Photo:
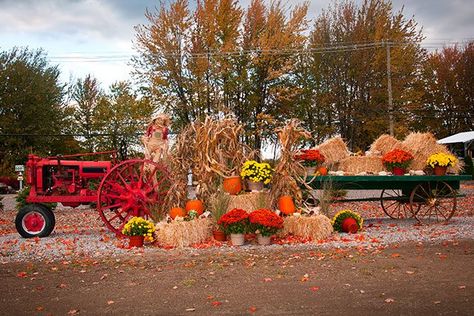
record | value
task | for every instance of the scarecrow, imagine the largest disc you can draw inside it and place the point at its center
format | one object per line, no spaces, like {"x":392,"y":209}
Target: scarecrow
{"x":155,"y":139}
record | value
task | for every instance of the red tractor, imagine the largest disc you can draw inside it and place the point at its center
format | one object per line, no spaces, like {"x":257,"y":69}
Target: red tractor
{"x":131,"y":188}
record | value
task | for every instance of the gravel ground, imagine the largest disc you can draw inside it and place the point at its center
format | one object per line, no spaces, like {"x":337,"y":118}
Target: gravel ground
{"x":80,"y":233}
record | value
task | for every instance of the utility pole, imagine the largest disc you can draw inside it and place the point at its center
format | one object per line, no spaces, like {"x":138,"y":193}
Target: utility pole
{"x":389,"y":90}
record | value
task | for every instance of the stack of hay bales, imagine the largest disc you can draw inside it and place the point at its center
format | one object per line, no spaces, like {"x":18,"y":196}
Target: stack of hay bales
{"x":181,"y":234}
{"x":334,"y":150}
{"x":359,"y":164}
{"x":423,"y":145}
{"x":249,"y":201}
{"x":385,"y":144}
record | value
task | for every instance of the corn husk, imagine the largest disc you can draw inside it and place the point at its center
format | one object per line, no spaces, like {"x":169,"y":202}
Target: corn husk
{"x":181,"y":234}
{"x":250,"y":201}
{"x":358,"y":164}
{"x":316,"y":227}
{"x":334,"y":150}
{"x":423,"y":145}
{"x":289,"y":173}
{"x":385,"y":144}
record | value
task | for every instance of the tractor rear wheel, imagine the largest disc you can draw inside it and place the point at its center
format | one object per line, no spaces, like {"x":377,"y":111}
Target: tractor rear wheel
{"x":35,"y":220}
{"x":132,"y":188}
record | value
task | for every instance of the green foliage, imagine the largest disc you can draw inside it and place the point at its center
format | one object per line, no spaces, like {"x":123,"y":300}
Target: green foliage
{"x":31,"y":102}
{"x":21,"y":200}
{"x":468,"y":166}
{"x":218,"y":204}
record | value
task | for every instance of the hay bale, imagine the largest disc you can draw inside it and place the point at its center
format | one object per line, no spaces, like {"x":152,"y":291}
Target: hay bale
{"x":334,"y":150}
{"x":423,"y":145}
{"x":315,"y":227}
{"x":249,"y":201}
{"x":385,"y":144}
{"x":358,"y":164}
{"x":181,"y":234}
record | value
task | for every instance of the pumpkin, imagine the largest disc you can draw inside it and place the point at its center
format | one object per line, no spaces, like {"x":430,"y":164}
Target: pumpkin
{"x":177,"y":211}
{"x":286,"y":205}
{"x":322,"y":171}
{"x":232,"y":185}
{"x":195,"y":205}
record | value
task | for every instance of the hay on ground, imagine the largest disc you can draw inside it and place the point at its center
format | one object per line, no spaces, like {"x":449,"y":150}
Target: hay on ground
{"x":358,"y":164}
{"x":181,"y":234}
{"x":385,"y":144}
{"x":334,"y":150}
{"x":250,"y":201}
{"x":316,"y":227}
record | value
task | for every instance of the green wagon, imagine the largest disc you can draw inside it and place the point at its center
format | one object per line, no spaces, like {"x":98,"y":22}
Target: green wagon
{"x":421,"y":197}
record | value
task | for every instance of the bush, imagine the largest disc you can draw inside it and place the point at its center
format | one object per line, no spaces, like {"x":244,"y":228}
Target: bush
{"x":468,"y":166}
{"x":21,"y":200}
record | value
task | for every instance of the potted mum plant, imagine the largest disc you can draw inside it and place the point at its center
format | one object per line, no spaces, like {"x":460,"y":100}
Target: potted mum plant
{"x":347,"y":221}
{"x":257,"y":174}
{"x":138,"y":228}
{"x":311,"y":159}
{"x":440,"y":163}
{"x":397,"y":161}
{"x":265,"y":223}
{"x":235,"y":222}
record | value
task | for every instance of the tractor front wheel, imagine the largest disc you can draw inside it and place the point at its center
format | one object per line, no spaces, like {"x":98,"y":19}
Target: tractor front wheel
{"x":35,"y":220}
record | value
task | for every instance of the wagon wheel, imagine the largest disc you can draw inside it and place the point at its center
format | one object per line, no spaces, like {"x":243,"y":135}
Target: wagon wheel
{"x":132,"y":188}
{"x":395,"y":204}
{"x":433,"y":201}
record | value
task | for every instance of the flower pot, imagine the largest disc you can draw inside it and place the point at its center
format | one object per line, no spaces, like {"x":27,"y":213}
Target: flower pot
{"x":232,"y":185}
{"x":397,"y":171}
{"x":440,"y":170}
{"x":237,"y":239}
{"x":136,"y":241}
{"x":286,"y":205}
{"x":254,"y":186}
{"x":349,"y":225}
{"x":219,"y":235}
{"x":263,"y":240}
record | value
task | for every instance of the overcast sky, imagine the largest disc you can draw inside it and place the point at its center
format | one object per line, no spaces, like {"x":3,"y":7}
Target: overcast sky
{"x":74,"y":31}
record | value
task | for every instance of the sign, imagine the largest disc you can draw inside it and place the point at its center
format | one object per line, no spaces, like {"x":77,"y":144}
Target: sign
{"x":19,"y":168}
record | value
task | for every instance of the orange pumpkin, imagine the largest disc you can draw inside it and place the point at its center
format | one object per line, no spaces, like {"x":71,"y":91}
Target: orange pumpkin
{"x":195,"y":205}
{"x":322,"y":171}
{"x":177,"y":211}
{"x":286,"y":205}
{"x":232,"y":185}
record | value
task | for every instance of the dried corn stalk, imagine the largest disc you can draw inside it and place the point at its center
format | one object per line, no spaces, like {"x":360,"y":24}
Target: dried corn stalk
{"x":289,"y":172}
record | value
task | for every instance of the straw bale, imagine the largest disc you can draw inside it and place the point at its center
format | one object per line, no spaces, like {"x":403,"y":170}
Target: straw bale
{"x":385,"y":144}
{"x":181,"y":234}
{"x":358,"y":164}
{"x":423,"y":145}
{"x":316,"y":227}
{"x":334,"y":150}
{"x":249,"y":201}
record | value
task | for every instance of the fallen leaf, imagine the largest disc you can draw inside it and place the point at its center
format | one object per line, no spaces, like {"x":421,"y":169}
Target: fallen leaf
{"x":410,"y":272}
{"x":61,"y":286}
{"x":216,"y":303}
{"x":314,"y":288}
{"x":190,"y":309}
{"x":395,"y":255}
{"x":252,"y":309}
{"x":73,"y":312}
{"x":437,"y":302}
{"x":22,"y":274}
{"x":461,"y":287}
{"x":104,"y":276}
{"x":39,"y":308}
{"x":389,"y":300}
{"x":267,"y":280}
{"x":110,"y":302}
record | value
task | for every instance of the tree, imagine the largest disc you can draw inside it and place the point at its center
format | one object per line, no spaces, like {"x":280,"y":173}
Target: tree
{"x":122,"y":116}
{"x":86,"y":94}
{"x":448,"y":91}
{"x":31,"y":103}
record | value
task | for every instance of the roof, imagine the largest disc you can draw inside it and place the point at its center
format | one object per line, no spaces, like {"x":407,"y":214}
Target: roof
{"x":458,"y":138}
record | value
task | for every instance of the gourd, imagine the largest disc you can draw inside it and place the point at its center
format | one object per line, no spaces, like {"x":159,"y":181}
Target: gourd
{"x":232,"y":185}
{"x":177,"y":211}
{"x":194,"y":205}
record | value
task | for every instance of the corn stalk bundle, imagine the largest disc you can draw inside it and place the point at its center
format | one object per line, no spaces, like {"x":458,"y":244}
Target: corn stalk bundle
{"x":218,"y":152}
{"x":180,"y":162}
{"x":289,"y":172}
